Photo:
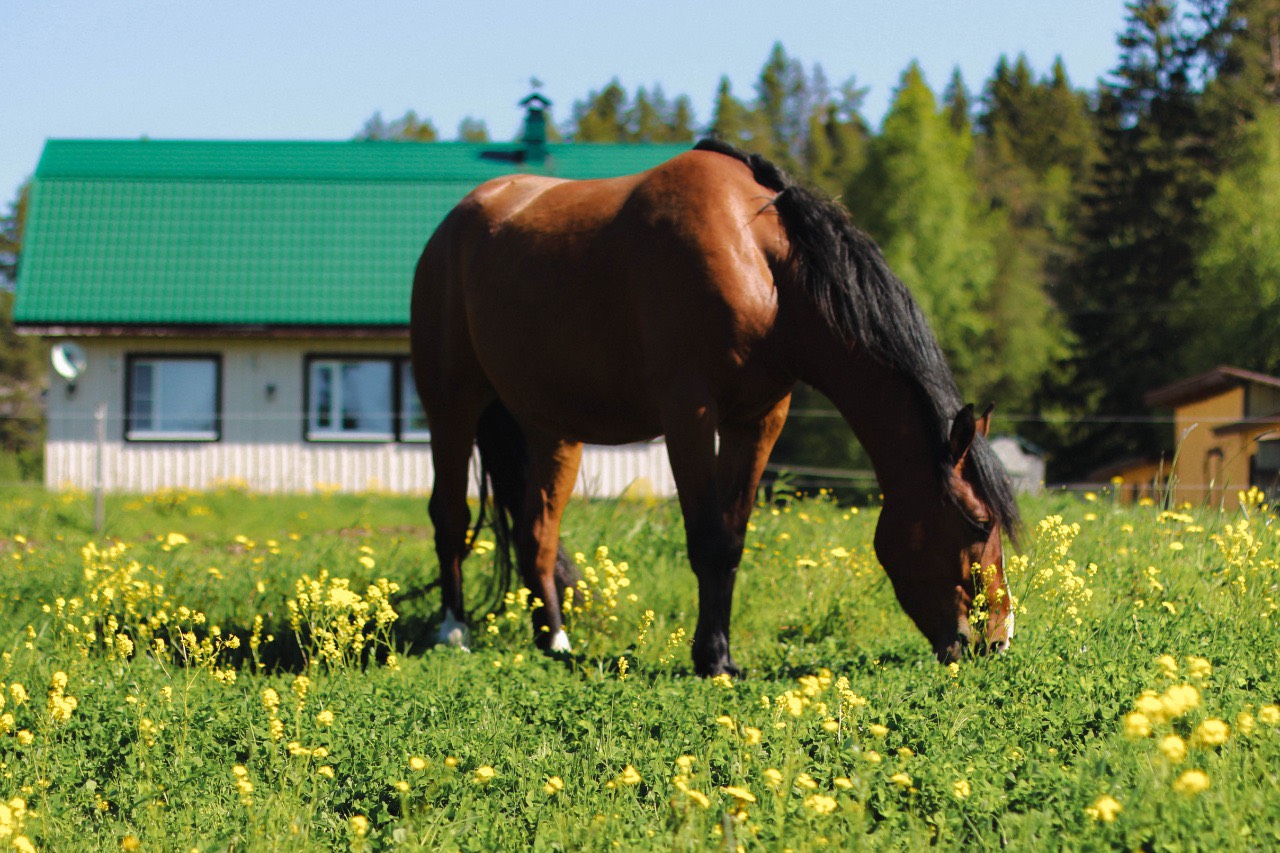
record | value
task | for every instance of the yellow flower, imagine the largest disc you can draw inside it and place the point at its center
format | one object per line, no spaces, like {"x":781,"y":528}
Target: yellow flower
{"x":360,"y":825}
{"x":1191,"y":783}
{"x":629,"y":776}
{"x":131,"y":842}
{"x":325,"y":770}
{"x":820,"y":804}
{"x":742,"y":795}
{"x":842,"y":782}
{"x":26,"y":738}
{"x":872,"y":756}
{"x":175,"y":539}
{"x":1244,"y":723}
{"x":725,"y":721}
{"x":1136,"y":726}
{"x":1104,"y":809}
{"x":751,"y":735}
{"x":1198,"y":667}
{"x":902,"y":780}
{"x":451,"y":762}
{"x":402,"y":786}
{"x":367,"y":561}
{"x":325,"y":718}
{"x":1180,"y":699}
{"x":1212,"y":732}
{"x":554,"y":786}
{"x":684,"y":762}
{"x":773,"y":777}
{"x":416,"y":763}
{"x":804,"y":780}
{"x":484,"y":775}
{"x":1174,"y":748}
{"x":878,"y":730}
{"x":1269,"y":714}
{"x":724,"y":680}
{"x":961,"y":789}
{"x":698,"y":797}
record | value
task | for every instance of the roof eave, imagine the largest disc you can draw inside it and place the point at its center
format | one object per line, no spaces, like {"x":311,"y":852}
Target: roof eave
{"x":222,"y":330}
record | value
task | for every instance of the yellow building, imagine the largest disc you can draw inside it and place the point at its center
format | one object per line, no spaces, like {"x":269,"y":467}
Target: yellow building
{"x":1227,"y":434}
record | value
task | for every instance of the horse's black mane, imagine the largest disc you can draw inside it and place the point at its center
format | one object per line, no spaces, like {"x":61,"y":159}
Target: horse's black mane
{"x":851,"y":285}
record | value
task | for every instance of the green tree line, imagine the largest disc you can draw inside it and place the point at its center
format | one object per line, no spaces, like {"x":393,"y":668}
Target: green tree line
{"x":1073,"y":246}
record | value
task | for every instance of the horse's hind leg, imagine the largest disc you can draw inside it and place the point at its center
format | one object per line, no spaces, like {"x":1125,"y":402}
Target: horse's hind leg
{"x":553,"y":468}
{"x":452,"y":435}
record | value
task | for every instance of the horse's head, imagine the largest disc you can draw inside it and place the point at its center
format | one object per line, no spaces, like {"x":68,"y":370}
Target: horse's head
{"x":946,"y":559}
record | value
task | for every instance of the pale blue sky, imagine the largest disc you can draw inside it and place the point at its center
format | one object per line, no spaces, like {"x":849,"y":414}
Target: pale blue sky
{"x":317,"y":69}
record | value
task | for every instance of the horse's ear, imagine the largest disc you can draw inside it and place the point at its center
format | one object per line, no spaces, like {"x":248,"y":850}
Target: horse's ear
{"x":983,"y":423}
{"x":963,"y":429}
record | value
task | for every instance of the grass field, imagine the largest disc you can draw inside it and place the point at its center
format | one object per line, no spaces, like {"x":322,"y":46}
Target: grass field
{"x":230,"y":671}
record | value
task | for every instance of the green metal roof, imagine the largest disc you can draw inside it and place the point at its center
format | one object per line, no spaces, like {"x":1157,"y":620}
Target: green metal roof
{"x":277,"y":233}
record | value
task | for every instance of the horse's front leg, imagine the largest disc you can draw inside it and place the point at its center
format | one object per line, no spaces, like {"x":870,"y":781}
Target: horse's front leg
{"x":716,"y":498}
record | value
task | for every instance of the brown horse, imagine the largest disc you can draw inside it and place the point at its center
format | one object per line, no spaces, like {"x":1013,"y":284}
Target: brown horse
{"x":686,"y":302}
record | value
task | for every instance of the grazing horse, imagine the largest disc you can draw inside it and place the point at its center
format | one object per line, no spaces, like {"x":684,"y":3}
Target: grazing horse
{"x":686,"y":301}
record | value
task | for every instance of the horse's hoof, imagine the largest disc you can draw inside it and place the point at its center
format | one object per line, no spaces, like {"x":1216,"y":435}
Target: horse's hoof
{"x":560,"y":642}
{"x":453,"y":632}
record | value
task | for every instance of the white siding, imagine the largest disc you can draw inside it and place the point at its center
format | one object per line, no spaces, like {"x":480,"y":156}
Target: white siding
{"x":261,"y":444}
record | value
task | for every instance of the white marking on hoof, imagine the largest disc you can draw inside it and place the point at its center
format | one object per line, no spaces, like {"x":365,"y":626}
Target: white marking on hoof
{"x":453,"y":632}
{"x":560,"y":642}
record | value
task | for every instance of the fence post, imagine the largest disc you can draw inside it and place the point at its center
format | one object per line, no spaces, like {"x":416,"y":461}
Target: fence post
{"x":99,"y":505}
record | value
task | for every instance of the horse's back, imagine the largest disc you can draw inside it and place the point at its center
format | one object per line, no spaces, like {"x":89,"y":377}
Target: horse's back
{"x":582,"y":301}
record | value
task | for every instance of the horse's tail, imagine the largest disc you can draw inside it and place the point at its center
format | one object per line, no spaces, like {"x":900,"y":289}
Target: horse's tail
{"x":504,"y":482}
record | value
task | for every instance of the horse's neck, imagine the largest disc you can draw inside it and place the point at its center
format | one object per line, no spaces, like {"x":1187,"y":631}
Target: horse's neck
{"x":885,"y":413}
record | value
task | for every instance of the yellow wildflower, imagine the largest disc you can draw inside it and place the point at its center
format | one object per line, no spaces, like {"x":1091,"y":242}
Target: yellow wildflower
{"x":325,"y":718}
{"x":1137,"y":726}
{"x":804,"y":780}
{"x":1199,"y":668}
{"x":629,"y":776}
{"x":1244,"y":723}
{"x":325,"y":770}
{"x":820,"y":804}
{"x":773,"y":777}
{"x":902,"y":780}
{"x":1212,"y":732}
{"x":961,"y":789}
{"x":872,"y":756}
{"x":402,"y":786}
{"x":484,"y":775}
{"x":1191,"y":783}
{"x":878,"y":730}
{"x":751,"y":735}
{"x":554,"y":786}
{"x":1174,"y":748}
{"x":1269,"y":714}
{"x":742,"y":795}
{"x":417,"y":763}
{"x":360,"y":825}
{"x":1104,"y":809}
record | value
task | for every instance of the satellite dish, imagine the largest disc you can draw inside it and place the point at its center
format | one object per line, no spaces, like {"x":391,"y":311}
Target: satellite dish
{"x":69,"y":360}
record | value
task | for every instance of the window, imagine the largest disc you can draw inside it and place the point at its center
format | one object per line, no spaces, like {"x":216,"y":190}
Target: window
{"x":350,"y":400}
{"x":172,"y":398}
{"x":413,"y":421}
{"x":363,"y":399}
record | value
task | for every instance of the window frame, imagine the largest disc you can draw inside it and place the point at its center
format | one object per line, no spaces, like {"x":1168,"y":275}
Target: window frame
{"x":134,"y":435}
{"x":404,"y":432}
{"x":400,"y":433}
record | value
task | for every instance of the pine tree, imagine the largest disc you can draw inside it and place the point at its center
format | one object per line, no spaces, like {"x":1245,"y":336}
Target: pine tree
{"x":918,"y":198}
{"x":732,"y":120}
{"x":1140,"y":226}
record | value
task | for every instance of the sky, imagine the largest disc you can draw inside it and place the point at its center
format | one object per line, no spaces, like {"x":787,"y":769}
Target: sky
{"x":318,"y":69}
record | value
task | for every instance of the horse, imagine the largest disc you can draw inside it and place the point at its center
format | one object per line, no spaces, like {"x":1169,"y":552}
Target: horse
{"x":686,"y":301}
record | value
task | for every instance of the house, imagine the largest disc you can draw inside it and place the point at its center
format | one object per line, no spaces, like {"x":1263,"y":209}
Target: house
{"x":1227,"y":431}
{"x":242,"y":307}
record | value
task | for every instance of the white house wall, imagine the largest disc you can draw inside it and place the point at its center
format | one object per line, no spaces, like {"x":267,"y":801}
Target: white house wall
{"x":262,"y":445}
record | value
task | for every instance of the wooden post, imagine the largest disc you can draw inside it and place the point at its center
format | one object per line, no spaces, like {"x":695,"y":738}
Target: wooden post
{"x":99,"y":504}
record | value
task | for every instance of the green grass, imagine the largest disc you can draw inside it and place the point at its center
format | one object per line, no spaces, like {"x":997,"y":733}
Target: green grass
{"x":844,"y":733}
